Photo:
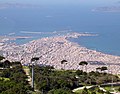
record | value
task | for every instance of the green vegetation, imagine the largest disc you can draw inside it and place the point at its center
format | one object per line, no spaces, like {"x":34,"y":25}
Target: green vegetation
{"x":13,"y":80}
{"x":4,"y":79}
{"x":60,"y":91}
{"x":115,"y":88}
{"x":83,"y":63}
{"x":102,"y":69}
{"x":48,"y":80}
{"x":1,"y":58}
{"x":63,"y":62}
{"x":97,"y":90}
{"x":93,"y":90}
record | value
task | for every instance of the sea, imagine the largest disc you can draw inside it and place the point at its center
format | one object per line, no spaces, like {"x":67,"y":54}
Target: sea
{"x":58,"y":19}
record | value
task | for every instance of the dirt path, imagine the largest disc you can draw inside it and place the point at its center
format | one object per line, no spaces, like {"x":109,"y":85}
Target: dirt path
{"x":27,"y":71}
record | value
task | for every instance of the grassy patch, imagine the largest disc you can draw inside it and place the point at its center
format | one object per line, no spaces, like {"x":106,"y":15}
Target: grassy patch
{"x":25,"y":67}
{"x":4,"y":79}
{"x":108,"y":88}
{"x":79,"y":91}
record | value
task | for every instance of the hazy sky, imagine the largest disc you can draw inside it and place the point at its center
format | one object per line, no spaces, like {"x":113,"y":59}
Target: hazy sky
{"x":65,"y":2}
{"x":61,"y":1}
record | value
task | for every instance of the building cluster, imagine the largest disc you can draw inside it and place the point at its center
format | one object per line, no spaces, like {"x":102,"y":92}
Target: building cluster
{"x":52,"y":50}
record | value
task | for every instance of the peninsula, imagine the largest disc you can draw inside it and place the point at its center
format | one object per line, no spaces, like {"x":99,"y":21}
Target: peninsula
{"x":52,"y":50}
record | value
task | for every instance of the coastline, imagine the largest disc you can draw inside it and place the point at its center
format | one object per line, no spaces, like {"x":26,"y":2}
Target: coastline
{"x":52,"y":50}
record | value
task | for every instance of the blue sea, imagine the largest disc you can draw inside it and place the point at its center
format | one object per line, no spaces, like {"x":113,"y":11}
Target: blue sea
{"x":52,"y":19}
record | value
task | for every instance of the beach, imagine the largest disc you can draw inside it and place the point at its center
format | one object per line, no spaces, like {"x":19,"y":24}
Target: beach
{"x":52,"y":50}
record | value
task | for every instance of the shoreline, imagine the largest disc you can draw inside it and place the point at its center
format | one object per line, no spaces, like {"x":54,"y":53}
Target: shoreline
{"x":52,"y":50}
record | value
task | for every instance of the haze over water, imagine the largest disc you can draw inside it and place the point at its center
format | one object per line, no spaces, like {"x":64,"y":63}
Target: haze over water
{"x":75,"y":15}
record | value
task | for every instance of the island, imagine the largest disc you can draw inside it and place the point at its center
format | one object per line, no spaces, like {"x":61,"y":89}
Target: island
{"x":16,"y":5}
{"x":107,"y":9}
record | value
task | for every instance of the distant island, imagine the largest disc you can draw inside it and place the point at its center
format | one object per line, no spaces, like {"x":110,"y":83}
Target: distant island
{"x":107,"y":9}
{"x":17,"y":5}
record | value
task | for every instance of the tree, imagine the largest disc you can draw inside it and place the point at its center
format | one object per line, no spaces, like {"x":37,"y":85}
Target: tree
{"x":16,"y":84}
{"x":103,"y":68}
{"x":79,"y":72}
{"x":85,"y":91}
{"x":98,"y":69}
{"x":63,"y":62}
{"x":119,"y":89}
{"x":35,"y":59}
{"x":93,"y":92}
{"x":6,"y":64}
{"x":1,"y":58}
{"x":60,"y":91}
{"x":83,"y":63}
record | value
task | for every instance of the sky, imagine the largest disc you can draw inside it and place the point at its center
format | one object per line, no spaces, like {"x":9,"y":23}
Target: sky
{"x":48,"y":2}
{"x":67,"y":3}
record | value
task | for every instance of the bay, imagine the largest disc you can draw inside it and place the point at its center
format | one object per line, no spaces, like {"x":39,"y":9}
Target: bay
{"x":78,"y":18}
